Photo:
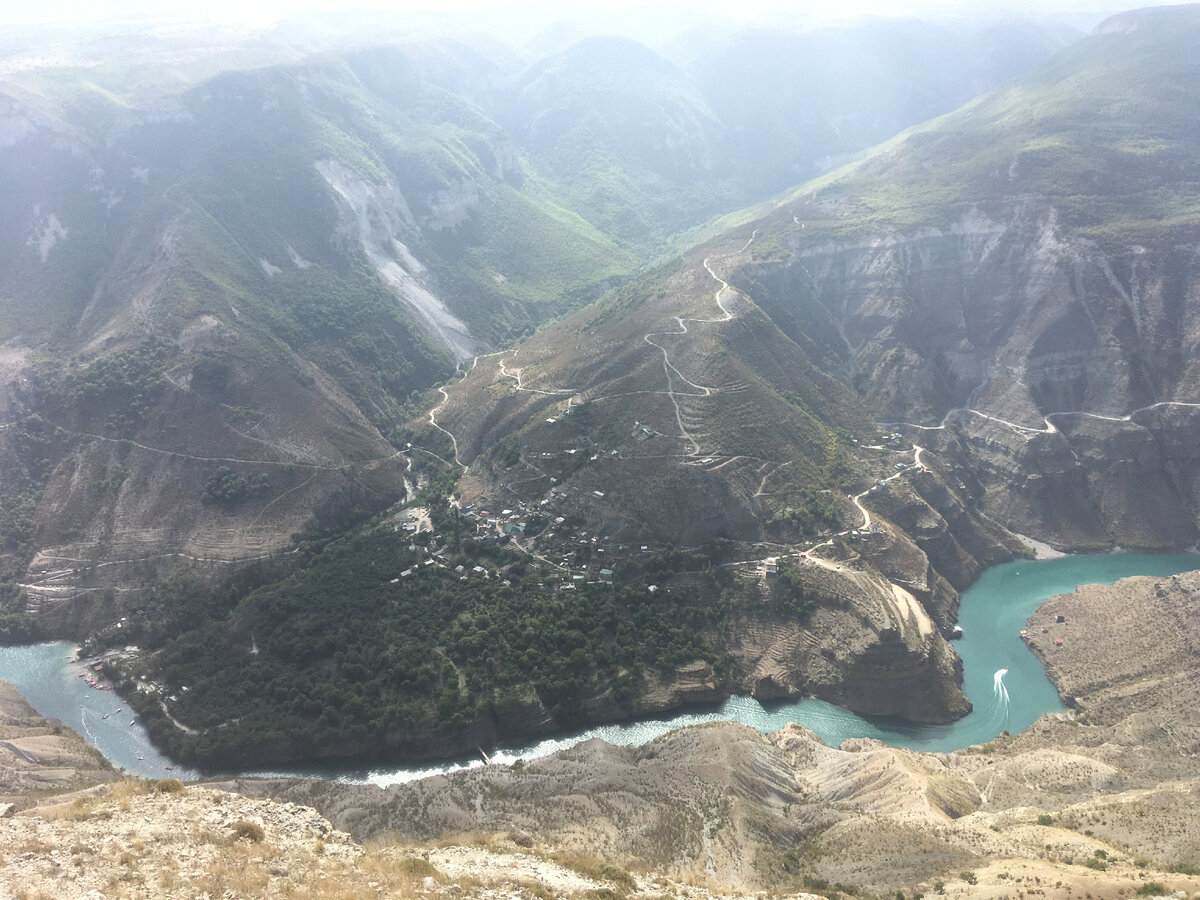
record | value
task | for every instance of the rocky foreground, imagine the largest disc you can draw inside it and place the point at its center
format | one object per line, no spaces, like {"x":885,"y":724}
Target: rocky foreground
{"x":139,"y":839}
{"x":1101,"y":801}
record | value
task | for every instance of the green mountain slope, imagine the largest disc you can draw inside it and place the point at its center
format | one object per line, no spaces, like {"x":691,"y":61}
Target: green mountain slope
{"x":1021,"y":272}
{"x":1102,"y":131}
{"x":645,"y":149}
{"x":627,"y":134}
{"x":797,"y":103}
{"x":256,"y":273}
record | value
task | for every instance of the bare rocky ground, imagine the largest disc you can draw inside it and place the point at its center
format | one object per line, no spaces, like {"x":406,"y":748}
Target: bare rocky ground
{"x":1100,"y":802}
{"x":40,"y":756}
{"x":138,"y":839}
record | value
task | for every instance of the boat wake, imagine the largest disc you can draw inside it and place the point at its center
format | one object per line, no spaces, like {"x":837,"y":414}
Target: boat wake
{"x":84,"y":714}
{"x":1000,"y":694}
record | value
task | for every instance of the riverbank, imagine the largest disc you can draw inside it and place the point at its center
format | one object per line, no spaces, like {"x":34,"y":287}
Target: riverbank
{"x":1101,"y":801}
{"x":39,"y":756}
{"x":1097,"y":801}
{"x":993,"y":613}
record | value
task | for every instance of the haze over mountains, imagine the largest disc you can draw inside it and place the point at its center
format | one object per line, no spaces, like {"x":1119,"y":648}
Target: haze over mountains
{"x":229,"y":287}
{"x":263,"y":222}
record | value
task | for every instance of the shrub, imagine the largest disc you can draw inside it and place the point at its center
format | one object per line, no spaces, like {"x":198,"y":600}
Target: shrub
{"x":969,"y":877}
{"x":597,"y":870}
{"x":1044,"y":819}
{"x":80,"y":809}
{"x":168,"y":786}
{"x":225,"y":487}
{"x":250,"y":831}
{"x":1152,"y":889}
{"x":419,"y":867}
{"x":618,"y":876}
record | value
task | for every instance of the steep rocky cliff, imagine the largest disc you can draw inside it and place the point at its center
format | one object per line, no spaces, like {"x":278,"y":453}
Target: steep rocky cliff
{"x":1098,"y":800}
{"x":1055,"y":374}
{"x":1013,"y":286}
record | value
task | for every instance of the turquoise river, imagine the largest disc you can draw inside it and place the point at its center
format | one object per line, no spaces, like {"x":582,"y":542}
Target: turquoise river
{"x":993,"y":613}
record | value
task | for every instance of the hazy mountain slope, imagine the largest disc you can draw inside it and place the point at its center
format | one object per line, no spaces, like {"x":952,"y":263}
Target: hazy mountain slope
{"x":644,"y":148}
{"x":627,"y":134}
{"x":1030,"y":255}
{"x":797,"y":103}
{"x":219,"y":304}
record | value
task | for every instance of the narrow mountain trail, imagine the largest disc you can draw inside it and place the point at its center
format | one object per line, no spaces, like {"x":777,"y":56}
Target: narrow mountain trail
{"x":762,"y":485}
{"x":515,"y":375}
{"x":446,"y":399}
{"x":857,"y":499}
{"x":669,"y":367}
{"x":1048,"y":428}
{"x":229,"y":459}
{"x":671,"y":372}
{"x":434,"y":422}
{"x":262,"y":512}
{"x":182,"y":388}
{"x":55,"y":582}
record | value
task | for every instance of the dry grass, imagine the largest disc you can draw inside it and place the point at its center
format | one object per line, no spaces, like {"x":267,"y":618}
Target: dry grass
{"x":237,"y":869}
{"x":380,"y":871}
{"x":31,"y":845}
{"x":78,"y":810}
{"x":168,"y":875}
{"x":597,"y":869}
{"x":535,"y":889}
{"x":466,"y":839}
{"x":124,"y":791}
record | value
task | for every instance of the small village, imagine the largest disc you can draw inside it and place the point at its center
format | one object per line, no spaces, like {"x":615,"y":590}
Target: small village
{"x":591,"y":563}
